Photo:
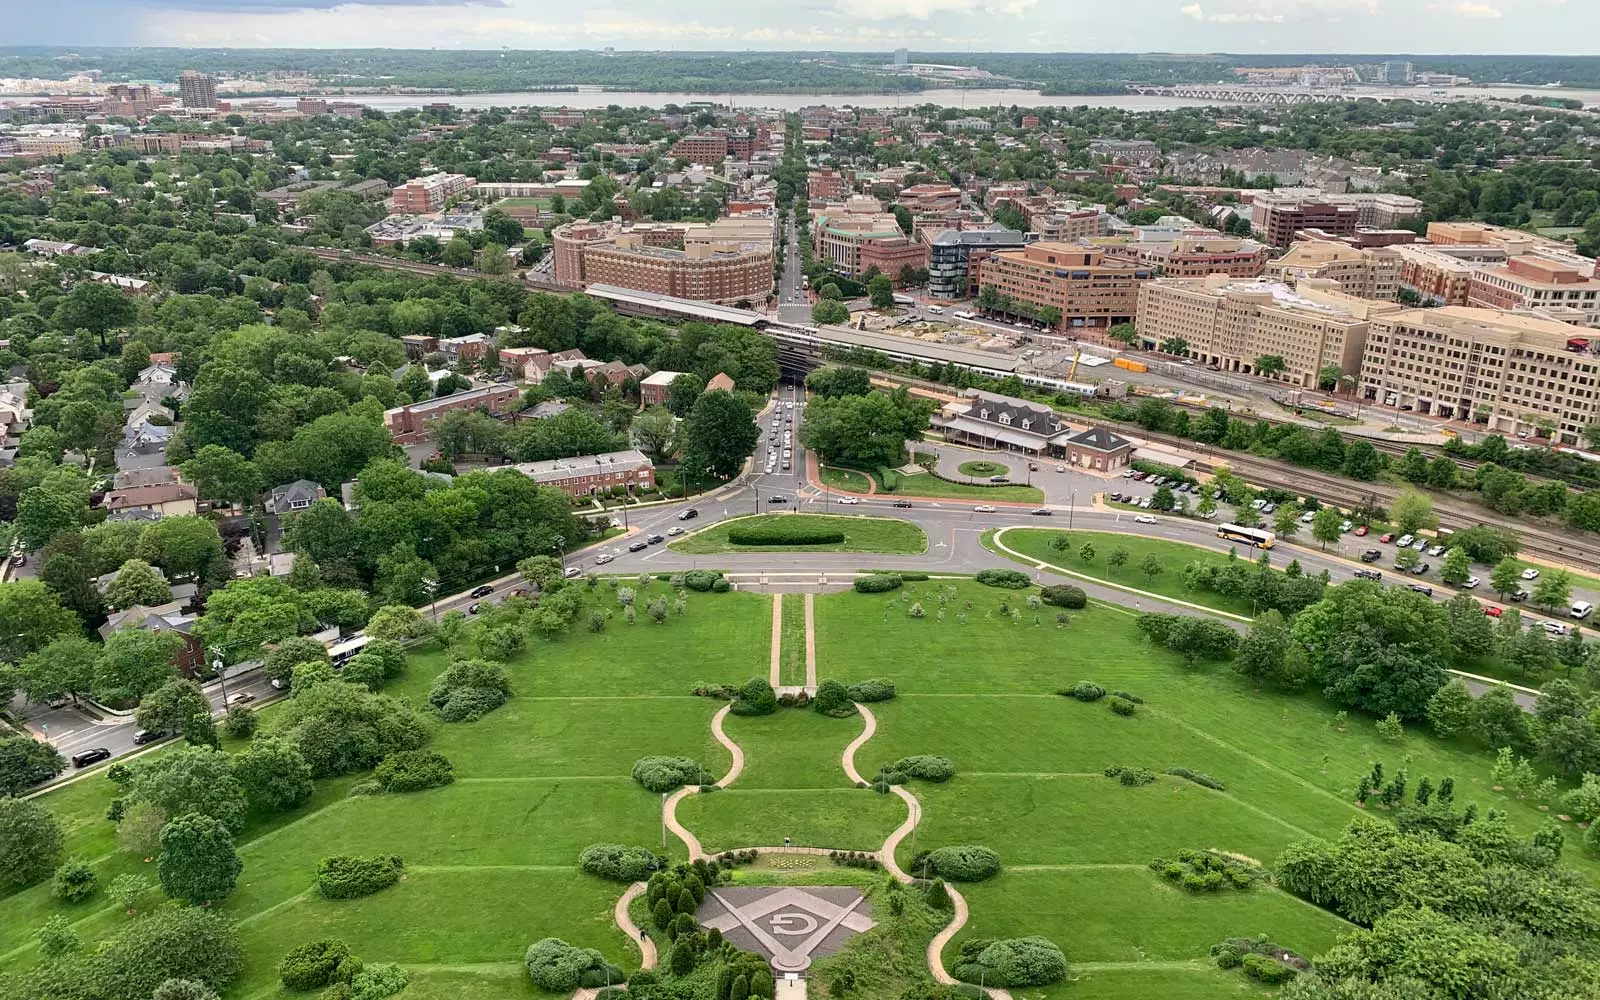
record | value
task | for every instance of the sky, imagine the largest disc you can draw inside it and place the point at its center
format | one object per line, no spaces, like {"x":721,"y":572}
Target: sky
{"x":1309,"y":26}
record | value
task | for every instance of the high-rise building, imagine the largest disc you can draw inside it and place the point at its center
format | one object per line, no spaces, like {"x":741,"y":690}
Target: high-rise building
{"x":1366,"y":274}
{"x":1396,"y":71}
{"x":950,"y":254}
{"x":1229,"y":323}
{"x":1516,"y":373}
{"x":199,"y":90}
{"x":900,"y":58}
{"x":1092,"y":293}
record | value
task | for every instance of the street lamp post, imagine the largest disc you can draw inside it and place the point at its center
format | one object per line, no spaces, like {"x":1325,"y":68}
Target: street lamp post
{"x":431,"y":585}
{"x":1072,"y":503}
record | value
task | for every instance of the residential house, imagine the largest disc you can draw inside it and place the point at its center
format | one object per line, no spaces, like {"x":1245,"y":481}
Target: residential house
{"x":653,"y":389}
{"x":292,"y":497}
{"x":190,"y":657}
{"x":150,"y":476}
{"x":720,"y":381}
{"x":181,"y":592}
{"x":589,"y":474}
{"x":539,"y":365}
{"x":161,"y":499}
{"x":472,"y":347}
{"x":616,"y":373}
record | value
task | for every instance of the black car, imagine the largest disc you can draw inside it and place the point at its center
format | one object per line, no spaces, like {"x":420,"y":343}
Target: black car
{"x":902,"y":503}
{"x":144,"y":736}
{"x":1519,"y":596}
{"x":638,"y":546}
{"x":84,"y":758}
{"x":483,"y":591}
{"x":1371,"y":555}
{"x":655,"y":539}
{"x":1368,"y":574}
{"x":689,"y":515}
{"x":1419,"y":569}
{"x":1422,"y":589}
{"x":777,"y":499}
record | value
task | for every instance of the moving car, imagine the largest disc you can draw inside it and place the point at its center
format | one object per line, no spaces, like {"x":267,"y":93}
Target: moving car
{"x":1061,"y":468}
{"x":983,"y":508}
{"x":143,"y":736}
{"x":998,"y":479}
{"x":1519,"y":597}
{"x":483,"y":591}
{"x":1492,"y":611}
{"x":572,"y":572}
{"x":603,"y":558}
{"x":655,"y":539}
{"x":1042,"y":512}
{"x":902,"y":503}
{"x":278,"y":684}
{"x":1556,"y":628}
{"x":1371,"y":555}
{"x":1530,"y":574}
{"x":1369,"y":574}
{"x":852,"y":501}
{"x":1145,"y":519}
{"x":83,"y":758}
{"x":1581,"y":609}
{"x":689,"y":515}
{"x":1422,"y":589}
{"x":778,"y":499}
{"x":242,"y":698}
{"x":675,"y":530}
{"x":638,"y":546}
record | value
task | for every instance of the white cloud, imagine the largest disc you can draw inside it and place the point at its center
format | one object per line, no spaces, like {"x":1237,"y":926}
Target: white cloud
{"x":1193,"y":11}
{"x":1467,"y":8}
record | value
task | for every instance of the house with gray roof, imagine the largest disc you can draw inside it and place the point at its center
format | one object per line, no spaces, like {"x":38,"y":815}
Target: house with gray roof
{"x":294,"y":497}
{"x":987,"y":420}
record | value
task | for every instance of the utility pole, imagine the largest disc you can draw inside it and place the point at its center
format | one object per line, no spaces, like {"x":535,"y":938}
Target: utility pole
{"x":431,"y":585}
{"x":222,"y":675}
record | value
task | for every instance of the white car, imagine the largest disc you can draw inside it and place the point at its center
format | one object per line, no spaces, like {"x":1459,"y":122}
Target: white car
{"x":1145,"y":519}
{"x":1436,"y":550}
{"x":1346,"y":526}
{"x":603,"y":558}
{"x":1556,"y":628}
{"x":1061,"y":468}
{"x":983,"y":508}
{"x":1308,"y":517}
{"x":849,"y":500}
{"x":1470,"y":582}
{"x":572,"y":572}
{"x":1405,"y":541}
{"x":1258,"y":503}
{"x":1530,"y":574}
{"x":675,"y":530}
{"x":1144,"y":502}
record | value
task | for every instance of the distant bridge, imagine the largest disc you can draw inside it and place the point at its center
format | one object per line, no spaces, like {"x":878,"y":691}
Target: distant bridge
{"x":1252,"y":95}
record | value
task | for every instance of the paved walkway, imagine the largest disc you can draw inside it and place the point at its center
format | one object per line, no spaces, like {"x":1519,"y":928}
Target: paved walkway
{"x":776,"y":668}
{"x":811,"y":644}
{"x":647,"y":947}
{"x":669,"y":808}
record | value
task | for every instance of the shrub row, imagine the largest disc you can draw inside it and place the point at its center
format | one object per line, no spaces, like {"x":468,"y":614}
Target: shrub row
{"x":1010,"y":579}
{"x":855,"y":859}
{"x":785,"y":534}
{"x":344,"y":876}
{"x":745,"y":857}
{"x":872,"y":689}
{"x":619,"y":862}
{"x":963,"y":863}
{"x":878,"y":583}
{"x":414,"y":770}
{"x":1125,"y":696}
{"x":913,"y":577}
{"x":1206,"y":871}
{"x":663,"y":774}
{"x":1064,"y":595}
{"x":1198,"y":777}
{"x":1084,"y":691}
{"x":928,"y":767}
{"x":702,"y":580}
{"x":1130,"y":775}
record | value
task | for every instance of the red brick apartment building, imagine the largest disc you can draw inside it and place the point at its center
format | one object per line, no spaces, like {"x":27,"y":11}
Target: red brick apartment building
{"x":409,"y":424}
{"x":429,"y":194}
{"x":1092,"y":292}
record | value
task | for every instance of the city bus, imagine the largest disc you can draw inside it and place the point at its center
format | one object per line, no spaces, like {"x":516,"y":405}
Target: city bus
{"x":339,"y":653}
{"x":1250,"y":536}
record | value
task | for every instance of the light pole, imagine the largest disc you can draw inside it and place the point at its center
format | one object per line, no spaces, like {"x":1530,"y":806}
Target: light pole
{"x":663,"y":821}
{"x":431,"y":585}
{"x":1072,"y":503}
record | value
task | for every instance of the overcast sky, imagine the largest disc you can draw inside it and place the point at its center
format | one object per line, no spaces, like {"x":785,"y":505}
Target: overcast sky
{"x":1420,"y":26}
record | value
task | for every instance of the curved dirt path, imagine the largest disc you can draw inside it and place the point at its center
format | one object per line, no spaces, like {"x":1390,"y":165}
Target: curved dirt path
{"x":958,"y":920}
{"x":669,"y":808}
{"x":647,"y":947}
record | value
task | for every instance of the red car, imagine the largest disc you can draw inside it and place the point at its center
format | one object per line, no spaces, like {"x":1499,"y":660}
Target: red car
{"x":1493,"y":612}
{"x":1361,"y":530}
{"x":1386,"y":538}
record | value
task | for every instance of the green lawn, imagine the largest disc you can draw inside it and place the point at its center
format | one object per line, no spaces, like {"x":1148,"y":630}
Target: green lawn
{"x":848,"y":480}
{"x":925,"y":484}
{"x":1037,"y":543}
{"x":792,"y":647}
{"x":982,"y":469}
{"x":861,"y":534}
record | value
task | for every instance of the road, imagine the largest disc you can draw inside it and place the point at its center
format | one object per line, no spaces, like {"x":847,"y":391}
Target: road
{"x":792,"y":304}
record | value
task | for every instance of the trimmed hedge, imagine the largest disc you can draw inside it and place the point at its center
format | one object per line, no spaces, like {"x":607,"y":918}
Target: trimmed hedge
{"x":785,"y":534}
{"x":318,"y":963}
{"x":1267,"y":970}
{"x":619,"y":862}
{"x":964,"y":863}
{"x":663,"y":774}
{"x":878,"y":583}
{"x":755,"y":698}
{"x":1064,"y":595}
{"x":559,"y":967}
{"x":1121,"y":706}
{"x":833,"y":700}
{"x":414,"y":770}
{"x":1198,"y":777}
{"x":927,"y":767}
{"x":1028,"y":961}
{"x":1085,"y":691}
{"x":344,"y":876}
{"x":1130,"y":775}
{"x":872,"y":689}
{"x":1010,"y":579}
{"x":702,"y":580}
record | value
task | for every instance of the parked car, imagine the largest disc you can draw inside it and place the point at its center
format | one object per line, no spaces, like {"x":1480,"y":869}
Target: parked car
{"x":1126,"y":473}
{"x":983,"y":508}
{"x":1519,"y":596}
{"x":1361,"y":531}
{"x":1145,"y":519}
{"x":1492,"y":611}
{"x":1042,"y":512}
{"x":1346,"y":526}
{"x":638,"y":546}
{"x":1369,"y":574}
{"x":1422,"y":589}
{"x":1420,"y":568}
{"x":1269,"y":508}
{"x":1308,"y":517}
{"x":1144,"y":502}
{"x":1581,"y":609}
{"x":83,"y":758}
{"x":1405,"y":541}
{"x":483,"y":591}
{"x":143,"y":736}
{"x":1435,"y":550}
{"x":1138,"y":476}
{"x":851,"y":501}
{"x":1371,"y":555}
{"x":689,"y":515}
{"x":242,"y":698}
{"x":1421,"y":544}
{"x":1530,"y":574}
{"x":655,"y":539}
{"x":571,"y":573}
{"x":902,"y":503}
{"x":1386,"y":538}
{"x":1258,"y":503}
{"x":603,"y":558}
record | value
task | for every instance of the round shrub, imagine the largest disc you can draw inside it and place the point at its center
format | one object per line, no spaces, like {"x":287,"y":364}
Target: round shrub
{"x":871,"y":690}
{"x":75,"y":881}
{"x":878,"y":583}
{"x":720,"y":585}
{"x":1267,"y":970}
{"x":619,"y":862}
{"x":1064,"y":595}
{"x":1085,"y":691}
{"x":1027,"y":961}
{"x":377,"y":981}
{"x":701,"y":580}
{"x":1226,"y":955}
{"x":833,"y":700}
{"x":756,"y":697}
{"x":319,"y":963}
{"x":965,"y":863}
{"x":469,"y":689}
{"x":559,"y":967}
{"x":343,"y":876}
{"x":240,"y":723}
{"x":663,"y":774}
{"x":414,"y":770}
{"x":1121,"y":706}
{"x":927,"y":767}
{"x":1010,"y":579}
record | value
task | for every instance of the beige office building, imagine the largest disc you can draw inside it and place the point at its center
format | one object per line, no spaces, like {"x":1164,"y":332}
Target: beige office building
{"x":1229,"y":323}
{"x":1366,"y":274}
{"x":1519,"y":374}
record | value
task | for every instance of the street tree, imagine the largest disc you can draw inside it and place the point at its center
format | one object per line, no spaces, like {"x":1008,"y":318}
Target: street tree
{"x":24,"y":762}
{"x":1268,"y":365}
{"x":1407,"y":559}
{"x":179,"y":706}
{"x":1175,"y":345}
{"x":63,"y":669}
{"x":721,"y":434}
{"x":1286,"y":521}
{"x":1456,"y":567}
{"x":1412,"y":512}
{"x":540,"y":571}
{"x":1325,"y":525}
{"x":1506,"y":579}
{"x":30,"y":842}
{"x":1553,"y":589}
{"x":198,"y":862}
{"x":134,"y":663}
{"x":137,"y":582}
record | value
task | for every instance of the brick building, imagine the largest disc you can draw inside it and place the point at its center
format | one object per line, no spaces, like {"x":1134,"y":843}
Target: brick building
{"x":590,"y":474}
{"x":653,"y":389}
{"x":707,"y":149}
{"x":423,"y":195}
{"x":1529,"y":282}
{"x":1092,"y":292}
{"x":409,"y":424}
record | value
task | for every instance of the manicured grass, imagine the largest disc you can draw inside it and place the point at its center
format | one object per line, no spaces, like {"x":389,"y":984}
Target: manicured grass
{"x":982,"y":469}
{"x":792,"y":649}
{"x":848,"y":480}
{"x":925,"y":484}
{"x":1173,"y":557}
{"x":1195,"y":980}
{"x":842,"y":818}
{"x":861,"y":534}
